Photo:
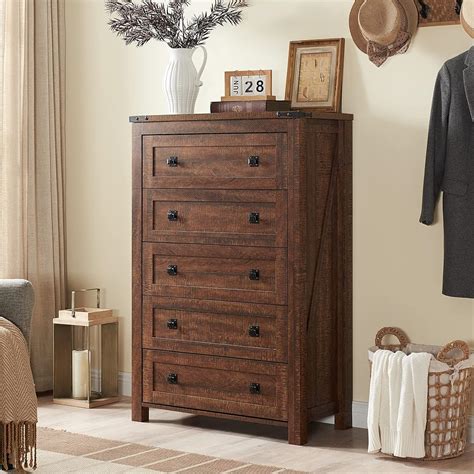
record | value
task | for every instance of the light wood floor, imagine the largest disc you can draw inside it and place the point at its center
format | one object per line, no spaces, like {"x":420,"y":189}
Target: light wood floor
{"x":327,"y":451}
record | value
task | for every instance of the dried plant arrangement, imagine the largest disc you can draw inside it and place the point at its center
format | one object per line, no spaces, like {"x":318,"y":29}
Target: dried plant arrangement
{"x":140,"y":22}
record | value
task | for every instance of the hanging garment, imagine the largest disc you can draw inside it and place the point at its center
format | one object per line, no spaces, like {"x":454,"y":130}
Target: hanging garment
{"x":450,"y":168}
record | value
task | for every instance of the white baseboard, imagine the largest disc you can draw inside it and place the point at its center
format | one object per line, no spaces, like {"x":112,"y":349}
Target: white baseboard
{"x":125,"y":384}
{"x":359,"y":419}
{"x":359,"y":416}
{"x":359,"y":409}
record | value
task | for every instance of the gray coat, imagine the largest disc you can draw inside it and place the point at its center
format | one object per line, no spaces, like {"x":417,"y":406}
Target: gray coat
{"x":450,"y":168}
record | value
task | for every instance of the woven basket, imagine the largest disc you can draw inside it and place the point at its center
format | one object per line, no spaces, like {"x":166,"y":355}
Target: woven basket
{"x":449,"y":393}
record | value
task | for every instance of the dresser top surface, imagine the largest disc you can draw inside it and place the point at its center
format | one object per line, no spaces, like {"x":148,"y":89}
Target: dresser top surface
{"x":235,"y":116}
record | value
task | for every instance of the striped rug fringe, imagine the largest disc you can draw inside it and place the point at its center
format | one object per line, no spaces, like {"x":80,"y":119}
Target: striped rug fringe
{"x":18,"y":445}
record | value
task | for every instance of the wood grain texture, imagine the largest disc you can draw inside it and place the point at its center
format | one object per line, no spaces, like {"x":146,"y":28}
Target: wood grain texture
{"x":230,"y":116}
{"x":139,"y":412}
{"x":216,"y":384}
{"x":297,"y":288}
{"x":215,"y":414}
{"x":343,"y":418}
{"x":214,"y":161}
{"x":215,"y":272}
{"x":216,"y":217}
{"x":239,"y":106}
{"x":321,"y":277}
{"x":229,"y":124}
{"x":216,"y":328}
{"x":302,"y":247}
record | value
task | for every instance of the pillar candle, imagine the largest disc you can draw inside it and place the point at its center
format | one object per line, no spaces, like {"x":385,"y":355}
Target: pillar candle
{"x":80,"y":374}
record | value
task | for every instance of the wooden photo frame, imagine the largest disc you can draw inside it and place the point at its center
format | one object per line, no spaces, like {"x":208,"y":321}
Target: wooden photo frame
{"x":439,"y":12}
{"x":315,"y":73}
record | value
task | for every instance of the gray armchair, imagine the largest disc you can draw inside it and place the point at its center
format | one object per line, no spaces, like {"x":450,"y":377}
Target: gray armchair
{"x":16,"y":303}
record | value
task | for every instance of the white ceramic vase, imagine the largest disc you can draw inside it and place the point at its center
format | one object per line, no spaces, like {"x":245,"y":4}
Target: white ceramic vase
{"x":182,"y":81}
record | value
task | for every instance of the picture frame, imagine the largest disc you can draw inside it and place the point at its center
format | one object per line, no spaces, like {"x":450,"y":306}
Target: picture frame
{"x":315,"y":74}
{"x":247,"y":85}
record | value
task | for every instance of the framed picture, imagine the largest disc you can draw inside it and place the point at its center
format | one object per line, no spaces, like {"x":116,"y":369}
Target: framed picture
{"x":315,"y":71}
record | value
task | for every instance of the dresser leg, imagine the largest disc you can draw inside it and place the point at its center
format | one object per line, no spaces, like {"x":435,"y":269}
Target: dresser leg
{"x":140,"y":413}
{"x":298,"y":435}
{"x":343,"y":420}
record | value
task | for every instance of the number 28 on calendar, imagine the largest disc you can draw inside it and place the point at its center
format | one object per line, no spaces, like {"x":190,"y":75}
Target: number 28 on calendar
{"x":248,"y":84}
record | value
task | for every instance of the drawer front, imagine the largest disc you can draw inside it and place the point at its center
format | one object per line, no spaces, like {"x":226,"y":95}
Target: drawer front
{"x":241,"y":330}
{"x":211,"y":272}
{"x":217,"y":217}
{"x":215,"y":161}
{"x":219,"y":384}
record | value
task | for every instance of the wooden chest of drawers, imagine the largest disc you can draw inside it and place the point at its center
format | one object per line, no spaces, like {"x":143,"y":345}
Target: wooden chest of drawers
{"x":242,"y":267}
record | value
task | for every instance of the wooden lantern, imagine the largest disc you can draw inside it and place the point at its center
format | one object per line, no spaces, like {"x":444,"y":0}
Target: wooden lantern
{"x":85,"y":356}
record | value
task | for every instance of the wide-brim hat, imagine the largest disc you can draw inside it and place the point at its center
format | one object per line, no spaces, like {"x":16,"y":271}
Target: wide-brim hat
{"x":467,"y":17}
{"x":403,"y":15}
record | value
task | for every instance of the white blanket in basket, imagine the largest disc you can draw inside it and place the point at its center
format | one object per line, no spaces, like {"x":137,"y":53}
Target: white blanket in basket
{"x":398,"y":397}
{"x":397,"y":403}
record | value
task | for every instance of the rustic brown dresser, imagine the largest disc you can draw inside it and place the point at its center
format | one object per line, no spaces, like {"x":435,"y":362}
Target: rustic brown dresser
{"x":242,"y":267}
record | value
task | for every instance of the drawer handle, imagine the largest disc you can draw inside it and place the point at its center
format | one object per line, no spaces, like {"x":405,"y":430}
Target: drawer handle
{"x":172,"y":324}
{"x":172,"y":379}
{"x":172,"y":270}
{"x":172,"y":161}
{"x":254,"y":218}
{"x":172,"y":215}
{"x":254,"y":388}
{"x":254,"y":274}
{"x":254,"y":331}
{"x":254,"y":161}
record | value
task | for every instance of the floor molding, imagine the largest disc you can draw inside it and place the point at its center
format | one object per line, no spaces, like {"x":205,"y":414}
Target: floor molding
{"x":359,"y":409}
{"x":125,"y":384}
{"x":359,"y":419}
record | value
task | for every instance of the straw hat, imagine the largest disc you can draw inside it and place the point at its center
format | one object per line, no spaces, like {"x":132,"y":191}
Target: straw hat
{"x":467,"y":17}
{"x":383,"y":28}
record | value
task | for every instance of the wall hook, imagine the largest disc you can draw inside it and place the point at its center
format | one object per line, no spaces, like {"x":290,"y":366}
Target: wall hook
{"x":424,"y":9}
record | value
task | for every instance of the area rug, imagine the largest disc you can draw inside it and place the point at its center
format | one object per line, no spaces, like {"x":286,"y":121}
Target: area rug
{"x":61,"y":451}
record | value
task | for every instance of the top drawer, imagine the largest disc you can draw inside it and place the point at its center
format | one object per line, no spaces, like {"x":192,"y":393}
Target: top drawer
{"x":217,"y":161}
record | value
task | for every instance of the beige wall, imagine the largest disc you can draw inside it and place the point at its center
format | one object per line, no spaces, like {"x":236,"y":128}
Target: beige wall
{"x":397,"y":262}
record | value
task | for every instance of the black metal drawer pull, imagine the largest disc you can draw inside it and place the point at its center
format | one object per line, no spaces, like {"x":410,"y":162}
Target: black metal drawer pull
{"x":172,"y":161}
{"x":254,"y":331}
{"x":172,"y":215}
{"x":172,"y":270}
{"x":172,"y":379}
{"x":254,"y":161}
{"x":172,"y":324}
{"x":254,"y":218}
{"x":254,"y":274}
{"x":254,"y":388}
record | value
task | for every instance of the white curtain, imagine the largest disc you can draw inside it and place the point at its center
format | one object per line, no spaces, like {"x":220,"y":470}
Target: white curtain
{"x":32,"y":163}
